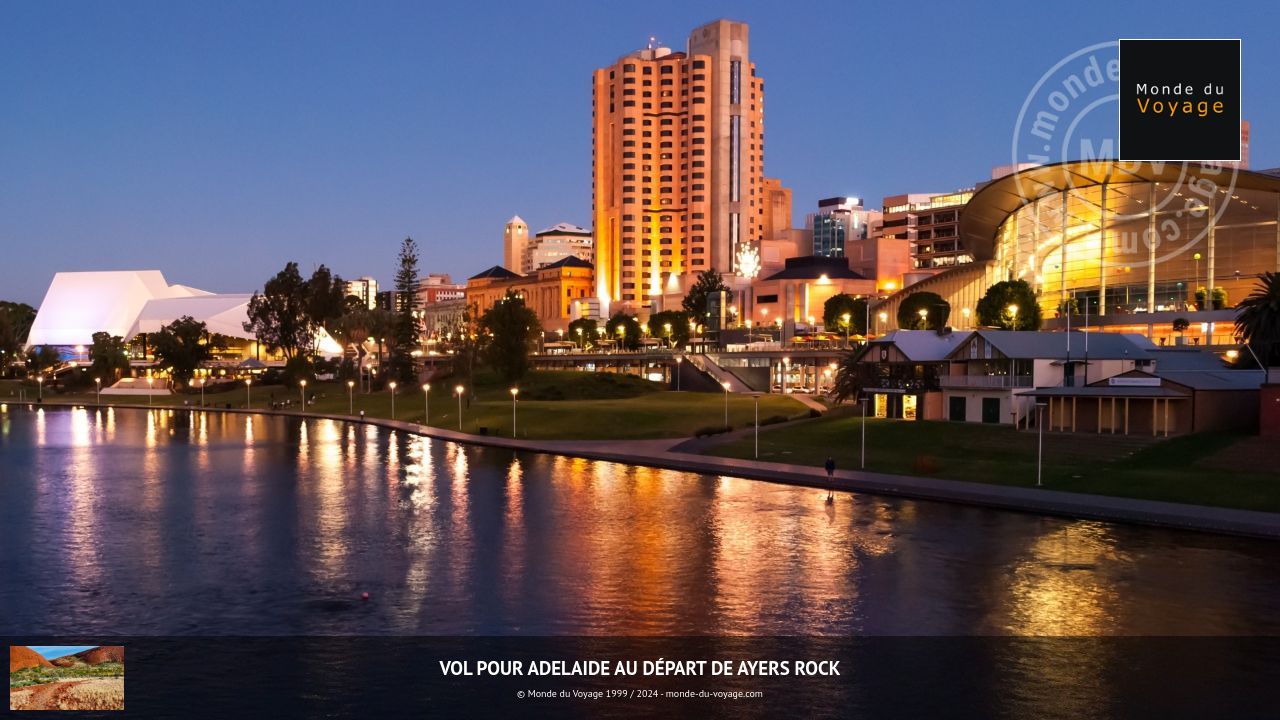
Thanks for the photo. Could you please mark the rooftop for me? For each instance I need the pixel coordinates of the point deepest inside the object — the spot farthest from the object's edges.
(812, 267)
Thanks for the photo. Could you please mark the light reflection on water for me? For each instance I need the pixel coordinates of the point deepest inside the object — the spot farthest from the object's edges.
(166, 522)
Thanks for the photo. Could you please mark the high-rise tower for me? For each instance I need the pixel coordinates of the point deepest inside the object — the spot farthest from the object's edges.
(678, 162)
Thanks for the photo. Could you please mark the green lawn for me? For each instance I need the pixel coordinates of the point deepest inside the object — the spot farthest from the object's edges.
(1174, 470)
(595, 406)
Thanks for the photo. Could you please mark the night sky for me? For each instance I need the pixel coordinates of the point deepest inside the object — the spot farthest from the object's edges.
(216, 141)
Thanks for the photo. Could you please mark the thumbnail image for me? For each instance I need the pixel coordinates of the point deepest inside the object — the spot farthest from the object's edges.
(66, 677)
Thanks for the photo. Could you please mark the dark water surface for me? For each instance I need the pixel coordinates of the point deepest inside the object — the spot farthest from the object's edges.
(130, 522)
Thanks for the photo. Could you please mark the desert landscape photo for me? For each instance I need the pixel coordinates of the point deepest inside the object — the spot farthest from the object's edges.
(66, 678)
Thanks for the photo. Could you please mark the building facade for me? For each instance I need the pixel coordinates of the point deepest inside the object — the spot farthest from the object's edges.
(678, 158)
(929, 222)
(556, 243)
(550, 292)
(439, 287)
(365, 288)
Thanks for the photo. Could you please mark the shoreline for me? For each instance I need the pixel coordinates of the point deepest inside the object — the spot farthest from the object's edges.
(659, 454)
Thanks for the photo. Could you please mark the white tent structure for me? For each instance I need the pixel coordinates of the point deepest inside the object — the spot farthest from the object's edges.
(129, 302)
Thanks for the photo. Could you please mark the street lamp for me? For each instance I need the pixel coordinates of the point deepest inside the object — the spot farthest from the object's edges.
(884, 319)
(201, 392)
(924, 318)
(667, 328)
(392, 385)
(679, 360)
(846, 318)
(248, 393)
(582, 342)
(965, 313)
(351, 400)
(786, 370)
(1040, 429)
(1013, 313)
(515, 392)
(150, 383)
(40, 388)
(302, 393)
(426, 403)
(863, 402)
(458, 391)
(98, 383)
(755, 397)
(725, 385)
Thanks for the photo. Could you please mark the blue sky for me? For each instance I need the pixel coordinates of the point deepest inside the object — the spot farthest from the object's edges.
(216, 141)
(56, 651)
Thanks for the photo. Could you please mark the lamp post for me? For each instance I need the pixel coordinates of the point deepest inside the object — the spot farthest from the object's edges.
(1207, 298)
(786, 370)
(679, 360)
(965, 312)
(1040, 450)
(40, 389)
(863, 462)
(1013, 314)
(302, 393)
(884, 319)
(725, 385)
(150, 384)
(581, 342)
(248, 393)
(426, 403)
(667, 328)
(458, 391)
(351, 398)
(846, 318)
(392, 385)
(201, 393)
(924, 318)
(98, 382)
(755, 397)
(515, 392)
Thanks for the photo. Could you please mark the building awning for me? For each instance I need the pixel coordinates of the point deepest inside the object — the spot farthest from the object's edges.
(1109, 391)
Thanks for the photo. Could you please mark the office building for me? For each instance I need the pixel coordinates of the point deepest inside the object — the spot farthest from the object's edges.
(515, 243)
(439, 287)
(550, 291)
(556, 243)
(365, 288)
(929, 222)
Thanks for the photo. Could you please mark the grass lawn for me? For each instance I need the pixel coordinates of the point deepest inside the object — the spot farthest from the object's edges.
(553, 405)
(1181, 469)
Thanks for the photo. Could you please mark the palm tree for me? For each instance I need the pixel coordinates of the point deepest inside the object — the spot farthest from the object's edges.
(1258, 318)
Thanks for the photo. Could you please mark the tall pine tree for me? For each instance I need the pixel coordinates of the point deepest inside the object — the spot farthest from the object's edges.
(405, 336)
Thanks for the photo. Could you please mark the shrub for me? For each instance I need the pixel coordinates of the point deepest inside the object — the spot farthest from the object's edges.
(712, 430)
(774, 420)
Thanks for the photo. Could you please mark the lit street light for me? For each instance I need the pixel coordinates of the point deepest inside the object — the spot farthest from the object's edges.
(39, 388)
(351, 399)
(884, 319)
(846, 318)
(248, 393)
(786, 370)
(515, 392)
(392, 385)
(150, 383)
(98, 383)
(726, 403)
(1040, 429)
(1013, 313)
(426, 403)
(679, 360)
(458, 391)
(302, 393)
(863, 401)
(202, 393)
(755, 396)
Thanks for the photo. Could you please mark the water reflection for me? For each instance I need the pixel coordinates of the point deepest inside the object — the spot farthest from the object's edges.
(171, 522)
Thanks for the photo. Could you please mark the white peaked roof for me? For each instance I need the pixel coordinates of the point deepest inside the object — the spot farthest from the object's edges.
(222, 314)
(517, 220)
(79, 304)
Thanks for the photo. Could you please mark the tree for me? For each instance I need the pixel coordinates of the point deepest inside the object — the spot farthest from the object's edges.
(278, 317)
(670, 326)
(625, 329)
(997, 306)
(15, 325)
(934, 315)
(1258, 319)
(837, 306)
(695, 303)
(325, 298)
(181, 345)
(1180, 325)
(108, 357)
(42, 358)
(405, 333)
(587, 336)
(511, 328)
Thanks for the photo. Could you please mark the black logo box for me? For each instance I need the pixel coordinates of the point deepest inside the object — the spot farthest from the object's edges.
(1188, 66)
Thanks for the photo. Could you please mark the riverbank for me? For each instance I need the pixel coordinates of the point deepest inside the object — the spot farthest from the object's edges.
(666, 453)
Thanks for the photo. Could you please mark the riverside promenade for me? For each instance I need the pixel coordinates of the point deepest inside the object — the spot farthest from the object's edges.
(673, 454)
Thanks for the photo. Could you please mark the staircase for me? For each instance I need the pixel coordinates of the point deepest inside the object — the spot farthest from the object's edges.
(717, 373)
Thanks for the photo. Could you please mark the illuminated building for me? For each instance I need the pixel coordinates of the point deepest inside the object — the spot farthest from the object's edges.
(365, 288)
(1212, 229)
(515, 243)
(556, 243)
(678, 158)
(930, 223)
(550, 291)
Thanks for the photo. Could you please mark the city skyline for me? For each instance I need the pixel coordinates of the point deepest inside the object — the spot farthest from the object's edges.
(331, 147)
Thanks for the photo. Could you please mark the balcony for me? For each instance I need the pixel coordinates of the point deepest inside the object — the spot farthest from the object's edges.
(978, 382)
